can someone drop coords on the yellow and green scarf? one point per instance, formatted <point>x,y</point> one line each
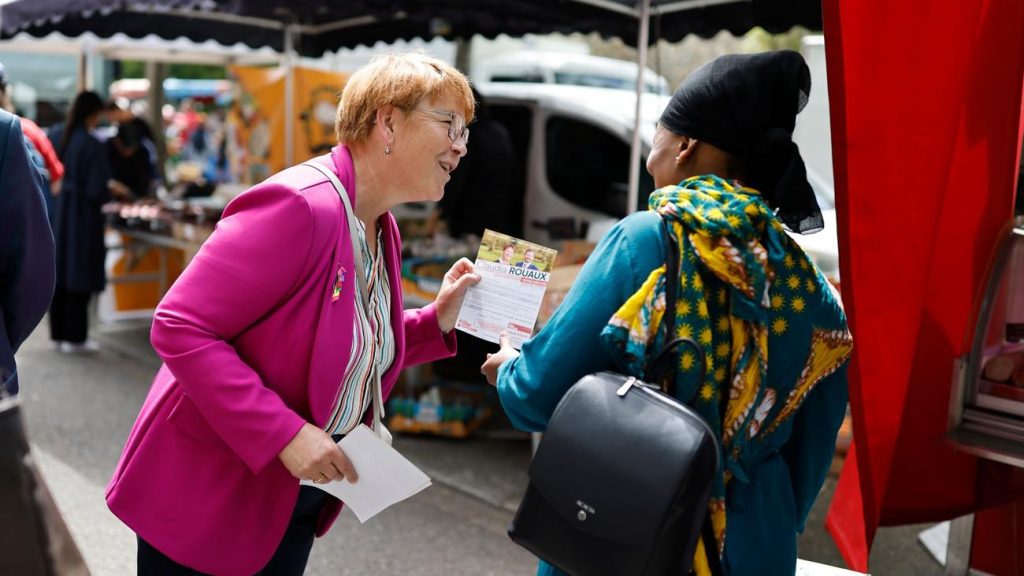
<point>741,281</point>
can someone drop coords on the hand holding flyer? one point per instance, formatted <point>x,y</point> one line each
<point>514,274</point>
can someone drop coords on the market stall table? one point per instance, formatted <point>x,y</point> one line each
<point>156,241</point>
<point>145,241</point>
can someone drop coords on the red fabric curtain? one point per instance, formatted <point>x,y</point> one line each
<point>925,101</point>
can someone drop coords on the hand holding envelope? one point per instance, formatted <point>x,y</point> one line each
<point>385,476</point>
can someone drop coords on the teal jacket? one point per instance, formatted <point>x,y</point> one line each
<point>765,513</point>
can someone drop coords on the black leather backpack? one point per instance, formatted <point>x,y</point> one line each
<point>621,480</point>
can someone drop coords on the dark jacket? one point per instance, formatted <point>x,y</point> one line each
<point>26,248</point>
<point>130,159</point>
<point>486,191</point>
<point>79,222</point>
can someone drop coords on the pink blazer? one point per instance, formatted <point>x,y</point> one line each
<point>254,344</point>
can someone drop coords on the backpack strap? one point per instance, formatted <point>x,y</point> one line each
<point>662,369</point>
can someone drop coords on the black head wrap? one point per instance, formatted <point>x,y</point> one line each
<point>746,104</point>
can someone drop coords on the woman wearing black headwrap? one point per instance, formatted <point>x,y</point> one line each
<point>745,106</point>
<point>771,327</point>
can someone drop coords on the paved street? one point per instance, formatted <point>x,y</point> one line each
<point>79,410</point>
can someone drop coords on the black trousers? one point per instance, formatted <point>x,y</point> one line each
<point>289,559</point>
<point>69,315</point>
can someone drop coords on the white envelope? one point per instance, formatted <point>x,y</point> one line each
<point>385,476</point>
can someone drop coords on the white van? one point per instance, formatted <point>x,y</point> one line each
<point>537,67</point>
<point>573,145</point>
<point>813,135</point>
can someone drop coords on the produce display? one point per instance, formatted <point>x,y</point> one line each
<point>441,410</point>
<point>190,220</point>
<point>425,261</point>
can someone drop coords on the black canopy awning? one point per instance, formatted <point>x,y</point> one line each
<point>326,26</point>
<point>312,27</point>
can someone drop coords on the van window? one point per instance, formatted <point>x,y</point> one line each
<point>603,81</point>
<point>595,80</point>
<point>524,77</point>
<point>589,167</point>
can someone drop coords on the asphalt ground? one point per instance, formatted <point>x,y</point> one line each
<point>79,409</point>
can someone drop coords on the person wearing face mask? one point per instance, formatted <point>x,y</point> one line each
<point>78,224</point>
<point>770,326</point>
<point>287,331</point>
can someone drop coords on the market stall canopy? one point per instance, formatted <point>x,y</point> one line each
<point>326,26</point>
<point>311,28</point>
<point>146,48</point>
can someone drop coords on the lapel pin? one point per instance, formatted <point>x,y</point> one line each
<point>339,283</point>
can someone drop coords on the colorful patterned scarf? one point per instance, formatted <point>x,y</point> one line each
<point>731,250</point>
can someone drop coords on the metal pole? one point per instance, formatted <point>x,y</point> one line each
<point>641,62</point>
<point>83,70</point>
<point>86,65</point>
<point>156,72</point>
<point>289,95</point>
<point>462,55</point>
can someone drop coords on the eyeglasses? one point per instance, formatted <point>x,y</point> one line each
<point>457,129</point>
